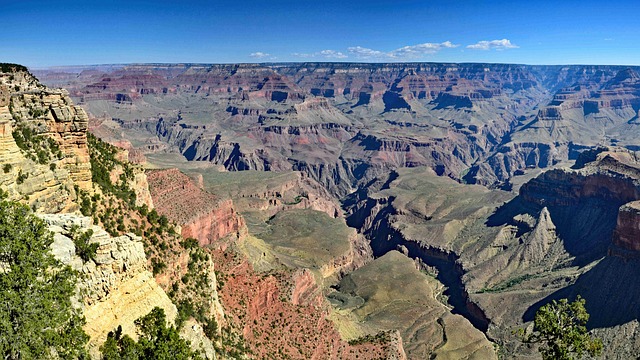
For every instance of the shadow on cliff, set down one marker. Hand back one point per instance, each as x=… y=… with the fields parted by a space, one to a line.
x=611 y=290
x=585 y=228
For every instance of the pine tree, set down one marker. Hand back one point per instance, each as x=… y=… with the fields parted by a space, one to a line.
x=559 y=328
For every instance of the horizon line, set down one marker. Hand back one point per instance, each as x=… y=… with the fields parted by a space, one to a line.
x=271 y=63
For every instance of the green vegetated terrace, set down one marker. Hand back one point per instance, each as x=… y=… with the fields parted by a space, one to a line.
x=306 y=238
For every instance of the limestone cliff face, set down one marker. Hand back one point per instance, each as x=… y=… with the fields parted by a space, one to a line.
x=141 y=187
x=133 y=155
x=50 y=113
x=565 y=187
x=201 y=215
x=62 y=121
x=114 y=289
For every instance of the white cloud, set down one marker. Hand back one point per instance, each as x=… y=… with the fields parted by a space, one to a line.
x=333 y=54
x=365 y=53
x=327 y=54
x=421 y=49
x=493 y=44
x=405 y=52
x=259 y=55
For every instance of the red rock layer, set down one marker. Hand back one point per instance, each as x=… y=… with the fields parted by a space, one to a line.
x=200 y=214
x=281 y=317
x=214 y=224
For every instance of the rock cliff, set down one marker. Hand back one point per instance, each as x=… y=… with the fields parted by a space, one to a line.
x=201 y=215
x=114 y=289
x=609 y=176
x=502 y=256
x=344 y=128
x=50 y=157
x=627 y=232
x=301 y=116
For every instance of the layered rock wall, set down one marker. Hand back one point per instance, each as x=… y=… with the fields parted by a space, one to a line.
x=47 y=113
x=116 y=288
x=201 y=215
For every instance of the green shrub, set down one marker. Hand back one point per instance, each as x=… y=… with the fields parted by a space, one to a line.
x=189 y=243
x=103 y=161
x=36 y=317
x=158 y=266
x=39 y=148
x=21 y=177
x=10 y=68
x=156 y=341
x=85 y=249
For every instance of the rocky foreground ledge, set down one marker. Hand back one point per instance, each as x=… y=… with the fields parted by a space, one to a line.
x=115 y=288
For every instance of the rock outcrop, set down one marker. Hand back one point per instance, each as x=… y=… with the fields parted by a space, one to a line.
x=345 y=127
x=37 y=112
x=483 y=123
x=627 y=232
x=114 y=289
x=609 y=176
x=311 y=117
x=140 y=186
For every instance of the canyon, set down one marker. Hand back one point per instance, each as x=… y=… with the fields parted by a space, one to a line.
x=344 y=124
x=337 y=210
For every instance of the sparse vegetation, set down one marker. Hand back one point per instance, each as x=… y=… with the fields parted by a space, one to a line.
x=117 y=212
x=39 y=148
x=190 y=244
x=158 y=266
x=382 y=337
x=36 y=113
x=21 y=177
x=297 y=199
x=9 y=68
x=103 y=162
x=505 y=285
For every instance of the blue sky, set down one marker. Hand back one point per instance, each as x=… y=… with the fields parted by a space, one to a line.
x=48 y=33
